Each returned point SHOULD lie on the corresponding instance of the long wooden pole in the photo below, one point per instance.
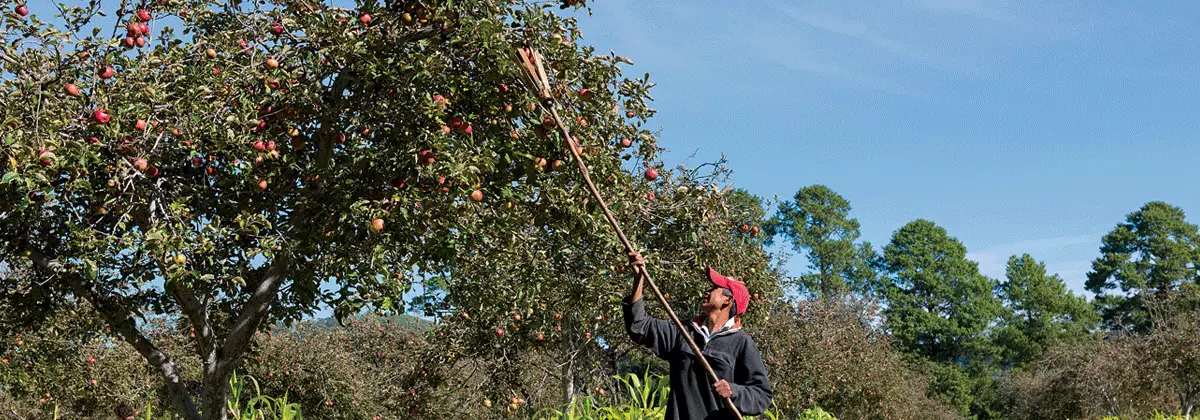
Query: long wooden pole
(530, 60)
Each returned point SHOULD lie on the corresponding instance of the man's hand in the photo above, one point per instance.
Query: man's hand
(722, 389)
(635, 260)
(639, 267)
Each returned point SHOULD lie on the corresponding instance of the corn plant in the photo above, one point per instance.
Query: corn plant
(259, 407)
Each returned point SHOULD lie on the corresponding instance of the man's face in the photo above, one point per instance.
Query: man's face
(714, 299)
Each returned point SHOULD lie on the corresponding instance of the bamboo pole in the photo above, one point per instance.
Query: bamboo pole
(531, 61)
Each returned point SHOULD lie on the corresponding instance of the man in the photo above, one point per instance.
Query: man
(732, 354)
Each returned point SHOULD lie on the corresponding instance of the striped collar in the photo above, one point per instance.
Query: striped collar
(733, 325)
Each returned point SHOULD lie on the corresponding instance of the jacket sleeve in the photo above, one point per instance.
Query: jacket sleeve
(658, 335)
(751, 388)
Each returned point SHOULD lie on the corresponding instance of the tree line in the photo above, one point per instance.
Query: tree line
(979, 336)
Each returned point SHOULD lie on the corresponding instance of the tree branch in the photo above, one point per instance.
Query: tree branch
(252, 315)
(198, 316)
(324, 132)
(121, 320)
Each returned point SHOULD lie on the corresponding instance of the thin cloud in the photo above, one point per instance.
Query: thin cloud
(994, 261)
(975, 8)
(863, 32)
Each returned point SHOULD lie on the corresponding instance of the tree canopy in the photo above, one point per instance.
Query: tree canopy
(235, 164)
(817, 222)
(1153, 255)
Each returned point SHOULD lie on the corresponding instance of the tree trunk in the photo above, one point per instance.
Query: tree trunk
(214, 396)
(568, 375)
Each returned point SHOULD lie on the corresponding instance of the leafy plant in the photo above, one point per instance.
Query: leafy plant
(259, 406)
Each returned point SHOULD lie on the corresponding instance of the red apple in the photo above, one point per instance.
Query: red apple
(211, 171)
(477, 196)
(143, 29)
(426, 157)
(140, 164)
(754, 232)
(446, 129)
(630, 114)
(22, 10)
(398, 182)
(745, 228)
(651, 174)
(377, 225)
(339, 138)
(272, 63)
(71, 89)
(140, 41)
(132, 29)
(467, 130)
(143, 15)
(499, 332)
(140, 125)
(129, 42)
(271, 145)
(456, 123)
(365, 18)
(626, 142)
(101, 116)
(276, 28)
(93, 140)
(650, 196)
(153, 171)
(262, 185)
(107, 73)
(328, 403)
(260, 146)
(45, 157)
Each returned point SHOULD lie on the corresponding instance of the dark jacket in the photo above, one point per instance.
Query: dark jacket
(732, 354)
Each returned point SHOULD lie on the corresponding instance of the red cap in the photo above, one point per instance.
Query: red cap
(741, 295)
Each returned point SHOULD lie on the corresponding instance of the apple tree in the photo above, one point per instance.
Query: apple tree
(239, 163)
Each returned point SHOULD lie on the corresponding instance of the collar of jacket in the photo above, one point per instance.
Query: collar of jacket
(733, 325)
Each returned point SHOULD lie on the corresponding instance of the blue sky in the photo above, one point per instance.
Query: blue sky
(1018, 126)
(1028, 126)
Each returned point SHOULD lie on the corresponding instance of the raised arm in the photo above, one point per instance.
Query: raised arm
(658, 335)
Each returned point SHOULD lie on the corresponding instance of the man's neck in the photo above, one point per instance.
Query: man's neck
(716, 320)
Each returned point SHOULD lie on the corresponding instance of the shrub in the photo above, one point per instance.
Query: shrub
(831, 354)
